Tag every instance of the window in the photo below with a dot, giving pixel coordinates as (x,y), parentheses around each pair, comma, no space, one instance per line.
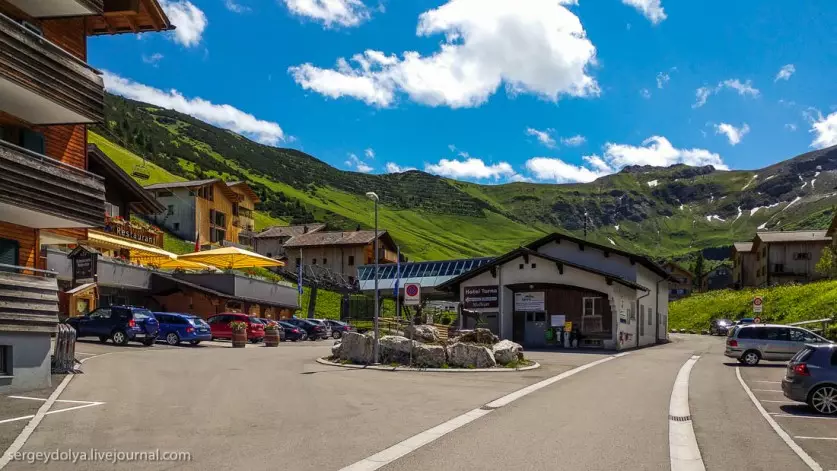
(778,268)
(5,360)
(802,256)
(746,333)
(650,316)
(591,319)
(23,137)
(351,260)
(217,235)
(170,210)
(101,313)
(592,306)
(540,317)
(777,333)
(9,250)
(799,335)
(325,261)
(235,209)
(111,209)
(534,265)
(313,261)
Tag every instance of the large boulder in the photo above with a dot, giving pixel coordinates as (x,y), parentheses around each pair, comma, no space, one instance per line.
(335,349)
(422,333)
(394,349)
(506,351)
(356,348)
(429,356)
(480,336)
(465,355)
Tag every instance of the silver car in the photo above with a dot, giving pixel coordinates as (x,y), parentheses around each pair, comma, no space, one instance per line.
(752,343)
(812,377)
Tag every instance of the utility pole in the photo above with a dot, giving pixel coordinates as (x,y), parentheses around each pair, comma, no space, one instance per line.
(374,197)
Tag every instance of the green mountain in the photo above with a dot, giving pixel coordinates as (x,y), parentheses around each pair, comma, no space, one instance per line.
(663,212)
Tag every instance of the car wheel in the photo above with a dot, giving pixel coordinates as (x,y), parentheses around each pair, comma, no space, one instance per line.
(751,358)
(119,338)
(172,338)
(336,335)
(824,399)
(195,342)
(103,339)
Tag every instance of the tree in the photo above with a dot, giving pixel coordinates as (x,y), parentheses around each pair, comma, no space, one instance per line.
(827,265)
(699,268)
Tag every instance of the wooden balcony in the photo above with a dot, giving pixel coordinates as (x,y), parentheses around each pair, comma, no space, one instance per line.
(59,8)
(41,83)
(28,299)
(41,192)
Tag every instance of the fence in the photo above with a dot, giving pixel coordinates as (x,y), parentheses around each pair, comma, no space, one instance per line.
(64,357)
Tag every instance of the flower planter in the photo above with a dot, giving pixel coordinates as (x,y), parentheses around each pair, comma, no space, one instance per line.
(239,339)
(271,338)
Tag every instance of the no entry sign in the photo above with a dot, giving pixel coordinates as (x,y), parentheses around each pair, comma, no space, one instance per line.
(757,304)
(412,294)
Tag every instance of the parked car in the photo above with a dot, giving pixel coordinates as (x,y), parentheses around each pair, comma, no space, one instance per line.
(176,328)
(293,332)
(313,330)
(750,344)
(324,323)
(220,326)
(719,326)
(745,321)
(338,328)
(122,324)
(267,322)
(812,377)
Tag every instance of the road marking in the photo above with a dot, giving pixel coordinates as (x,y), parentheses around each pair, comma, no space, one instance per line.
(816,438)
(57,400)
(683,448)
(16,419)
(405,447)
(776,428)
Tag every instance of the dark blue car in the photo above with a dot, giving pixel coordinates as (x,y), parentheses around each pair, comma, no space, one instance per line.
(176,328)
(122,324)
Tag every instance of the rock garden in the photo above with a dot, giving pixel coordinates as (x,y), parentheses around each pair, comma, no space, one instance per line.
(421,347)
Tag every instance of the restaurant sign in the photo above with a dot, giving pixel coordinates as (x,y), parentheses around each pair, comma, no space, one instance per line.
(85,261)
(139,234)
(478,297)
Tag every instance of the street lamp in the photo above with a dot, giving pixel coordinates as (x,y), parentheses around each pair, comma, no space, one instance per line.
(374,197)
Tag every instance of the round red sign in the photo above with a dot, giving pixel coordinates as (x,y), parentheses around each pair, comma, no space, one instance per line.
(757,320)
(757,301)
(411,290)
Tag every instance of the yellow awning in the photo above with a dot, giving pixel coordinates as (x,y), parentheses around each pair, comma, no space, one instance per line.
(142,253)
(183,264)
(231,258)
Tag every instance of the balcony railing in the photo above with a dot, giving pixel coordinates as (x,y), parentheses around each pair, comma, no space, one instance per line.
(54,193)
(41,83)
(59,8)
(28,299)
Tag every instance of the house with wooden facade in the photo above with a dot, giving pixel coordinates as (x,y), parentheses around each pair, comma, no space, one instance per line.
(744,265)
(271,241)
(681,281)
(213,211)
(788,256)
(48,96)
(339,252)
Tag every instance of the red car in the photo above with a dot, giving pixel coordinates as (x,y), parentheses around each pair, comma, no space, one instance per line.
(220,326)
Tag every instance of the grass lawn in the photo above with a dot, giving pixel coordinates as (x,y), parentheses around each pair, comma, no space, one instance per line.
(127,160)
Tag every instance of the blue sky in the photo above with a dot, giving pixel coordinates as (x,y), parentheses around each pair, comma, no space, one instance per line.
(497,90)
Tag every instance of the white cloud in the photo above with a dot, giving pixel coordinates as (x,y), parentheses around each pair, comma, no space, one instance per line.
(356,164)
(470,167)
(645,93)
(546,168)
(153,59)
(573,141)
(537,47)
(662,79)
(659,152)
(369,153)
(544,137)
(393,167)
(825,131)
(224,116)
(236,7)
(189,20)
(785,72)
(743,88)
(651,9)
(597,163)
(733,134)
(330,12)
(790,127)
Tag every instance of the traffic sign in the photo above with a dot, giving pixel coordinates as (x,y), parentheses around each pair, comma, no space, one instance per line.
(757,320)
(412,294)
(757,304)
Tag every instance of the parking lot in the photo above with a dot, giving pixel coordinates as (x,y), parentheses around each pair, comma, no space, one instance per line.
(815,434)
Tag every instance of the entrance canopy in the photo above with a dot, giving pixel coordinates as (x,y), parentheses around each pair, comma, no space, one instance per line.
(143,253)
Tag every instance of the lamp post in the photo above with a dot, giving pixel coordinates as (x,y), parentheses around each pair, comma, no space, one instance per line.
(374,197)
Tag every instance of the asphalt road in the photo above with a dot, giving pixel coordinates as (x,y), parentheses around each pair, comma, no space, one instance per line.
(261,408)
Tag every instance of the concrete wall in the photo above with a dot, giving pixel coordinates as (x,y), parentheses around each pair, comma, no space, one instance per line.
(30,352)
(241,286)
(184,214)
(591,257)
(656,305)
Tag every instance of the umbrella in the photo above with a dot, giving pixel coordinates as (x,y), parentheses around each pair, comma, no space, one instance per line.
(230,258)
(182,264)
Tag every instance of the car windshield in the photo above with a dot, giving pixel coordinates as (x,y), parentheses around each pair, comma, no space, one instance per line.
(197,321)
(142,314)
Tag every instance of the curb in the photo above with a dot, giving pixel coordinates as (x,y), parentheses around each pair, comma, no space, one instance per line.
(323,361)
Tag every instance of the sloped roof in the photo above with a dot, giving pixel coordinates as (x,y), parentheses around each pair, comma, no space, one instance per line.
(289,231)
(231,195)
(792,236)
(335,238)
(743,246)
(246,189)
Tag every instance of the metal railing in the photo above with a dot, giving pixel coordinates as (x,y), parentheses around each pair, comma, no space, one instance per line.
(64,356)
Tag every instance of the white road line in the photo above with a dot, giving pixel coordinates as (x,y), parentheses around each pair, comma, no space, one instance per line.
(57,400)
(403,448)
(776,428)
(16,419)
(683,448)
(816,438)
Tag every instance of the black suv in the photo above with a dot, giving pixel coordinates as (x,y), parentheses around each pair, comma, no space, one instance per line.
(121,324)
(314,330)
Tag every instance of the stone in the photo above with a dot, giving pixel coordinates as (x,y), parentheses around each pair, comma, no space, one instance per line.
(335,349)
(422,333)
(356,348)
(429,356)
(465,355)
(506,351)
(479,335)
(394,349)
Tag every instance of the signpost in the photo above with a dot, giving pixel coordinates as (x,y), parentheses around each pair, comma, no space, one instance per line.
(529,302)
(477,297)
(85,261)
(412,294)
(757,304)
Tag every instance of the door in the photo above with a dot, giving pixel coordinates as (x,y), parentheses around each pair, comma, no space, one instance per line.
(165,324)
(777,344)
(518,327)
(535,330)
(97,324)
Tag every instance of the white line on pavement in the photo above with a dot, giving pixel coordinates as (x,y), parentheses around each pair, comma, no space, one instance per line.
(776,428)
(816,438)
(683,448)
(16,419)
(382,458)
(57,400)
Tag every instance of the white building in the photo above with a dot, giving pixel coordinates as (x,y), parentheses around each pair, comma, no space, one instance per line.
(614,299)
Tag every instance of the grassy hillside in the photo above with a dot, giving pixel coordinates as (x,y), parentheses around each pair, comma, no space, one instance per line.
(782,305)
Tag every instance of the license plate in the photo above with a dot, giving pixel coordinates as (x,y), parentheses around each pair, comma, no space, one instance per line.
(203,330)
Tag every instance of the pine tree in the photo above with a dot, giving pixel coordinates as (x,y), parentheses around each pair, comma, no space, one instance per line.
(699,271)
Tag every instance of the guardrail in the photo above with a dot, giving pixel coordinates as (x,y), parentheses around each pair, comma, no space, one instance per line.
(824,323)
